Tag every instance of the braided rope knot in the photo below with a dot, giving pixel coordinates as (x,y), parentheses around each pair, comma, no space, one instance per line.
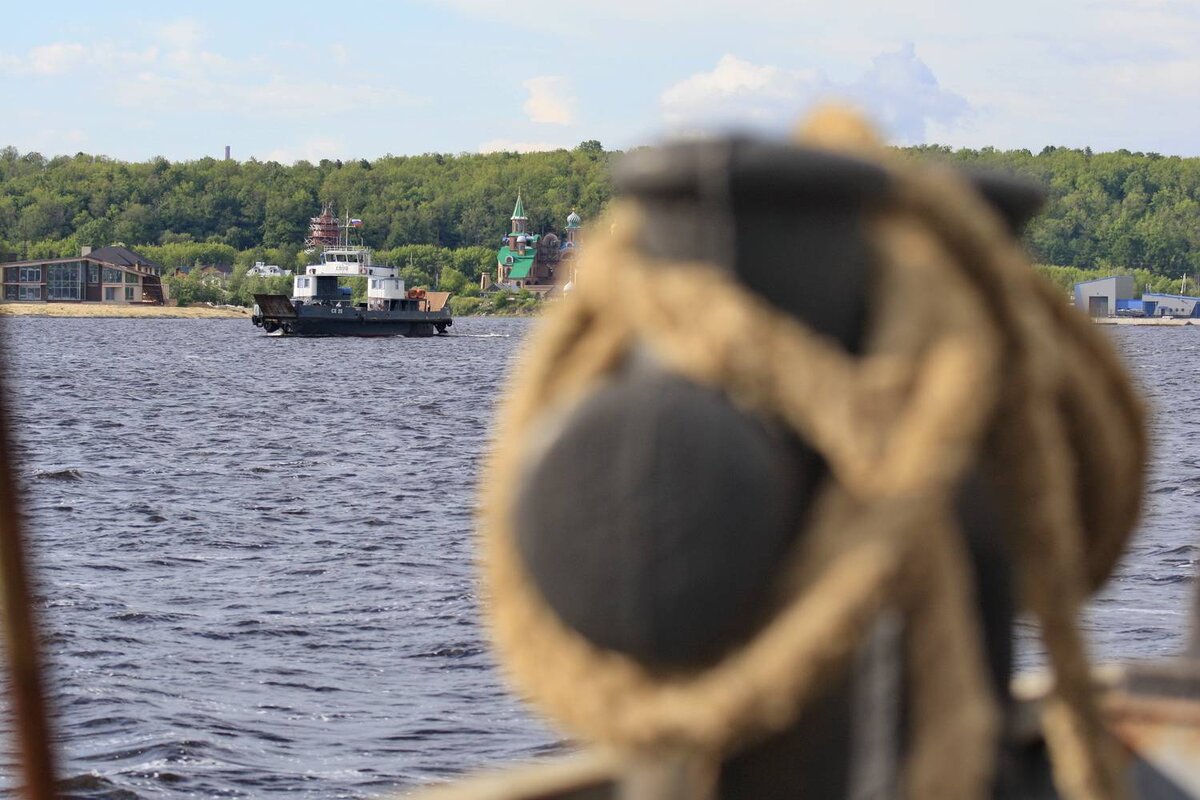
(997,374)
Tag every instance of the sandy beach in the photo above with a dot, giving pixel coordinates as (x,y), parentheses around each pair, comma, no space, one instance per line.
(117,310)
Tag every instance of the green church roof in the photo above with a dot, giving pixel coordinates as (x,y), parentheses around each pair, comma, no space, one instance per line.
(518,209)
(520,266)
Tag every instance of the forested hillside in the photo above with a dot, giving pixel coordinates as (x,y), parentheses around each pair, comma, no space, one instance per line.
(1107,210)
(448,201)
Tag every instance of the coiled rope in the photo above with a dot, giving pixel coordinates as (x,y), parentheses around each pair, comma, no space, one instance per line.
(994,371)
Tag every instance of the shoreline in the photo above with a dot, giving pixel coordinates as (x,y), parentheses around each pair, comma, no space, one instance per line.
(106,311)
(101,310)
(1150,322)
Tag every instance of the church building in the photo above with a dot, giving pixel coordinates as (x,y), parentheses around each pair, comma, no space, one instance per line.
(534,262)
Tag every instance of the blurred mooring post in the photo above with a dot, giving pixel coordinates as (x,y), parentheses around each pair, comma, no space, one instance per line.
(648,542)
(27,704)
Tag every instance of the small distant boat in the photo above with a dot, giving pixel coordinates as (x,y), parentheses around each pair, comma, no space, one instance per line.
(320,306)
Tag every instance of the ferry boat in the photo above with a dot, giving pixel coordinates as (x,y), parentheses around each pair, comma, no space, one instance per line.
(320,306)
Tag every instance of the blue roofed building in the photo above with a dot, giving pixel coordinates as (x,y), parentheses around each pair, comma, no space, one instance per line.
(1156,304)
(1114,297)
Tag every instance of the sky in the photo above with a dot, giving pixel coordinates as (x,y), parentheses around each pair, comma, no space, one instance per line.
(305,80)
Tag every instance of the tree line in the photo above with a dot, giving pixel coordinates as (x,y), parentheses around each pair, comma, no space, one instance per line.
(1106,211)
(452,201)
(454,270)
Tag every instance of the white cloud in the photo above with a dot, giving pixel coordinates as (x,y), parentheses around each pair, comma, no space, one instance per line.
(511,146)
(64,58)
(1164,25)
(56,59)
(902,92)
(1178,77)
(550,101)
(178,73)
(181,34)
(552,16)
(899,90)
(254,98)
(738,90)
(1150,45)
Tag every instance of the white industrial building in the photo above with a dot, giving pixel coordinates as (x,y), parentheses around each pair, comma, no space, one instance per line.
(1099,298)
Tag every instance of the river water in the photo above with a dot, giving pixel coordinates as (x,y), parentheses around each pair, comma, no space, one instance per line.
(255,554)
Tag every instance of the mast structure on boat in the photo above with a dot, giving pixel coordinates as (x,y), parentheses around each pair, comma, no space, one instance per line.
(324,230)
(348,225)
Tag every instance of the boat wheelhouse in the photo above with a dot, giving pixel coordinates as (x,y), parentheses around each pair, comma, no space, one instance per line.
(320,282)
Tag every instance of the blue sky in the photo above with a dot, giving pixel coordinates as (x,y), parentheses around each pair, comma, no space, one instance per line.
(309,80)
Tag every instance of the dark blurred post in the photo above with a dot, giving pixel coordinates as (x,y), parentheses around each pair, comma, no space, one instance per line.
(20,630)
(1193,650)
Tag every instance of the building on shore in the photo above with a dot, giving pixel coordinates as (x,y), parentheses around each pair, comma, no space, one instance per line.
(263,270)
(210,274)
(1157,304)
(1114,297)
(535,262)
(1103,296)
(112,274)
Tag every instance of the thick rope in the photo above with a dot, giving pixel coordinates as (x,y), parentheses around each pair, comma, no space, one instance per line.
(989,376)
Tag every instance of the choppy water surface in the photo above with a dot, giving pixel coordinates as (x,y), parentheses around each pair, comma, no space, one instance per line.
(256,553)
(1146,609)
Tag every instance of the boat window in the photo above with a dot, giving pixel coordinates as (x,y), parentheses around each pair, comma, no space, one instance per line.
(352,257)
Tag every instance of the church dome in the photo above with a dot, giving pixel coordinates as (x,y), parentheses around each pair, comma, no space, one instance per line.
(574,220)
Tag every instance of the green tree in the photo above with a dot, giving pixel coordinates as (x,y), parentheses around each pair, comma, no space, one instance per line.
(1117,209)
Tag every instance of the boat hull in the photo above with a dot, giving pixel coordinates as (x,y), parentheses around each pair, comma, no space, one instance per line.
(282,318)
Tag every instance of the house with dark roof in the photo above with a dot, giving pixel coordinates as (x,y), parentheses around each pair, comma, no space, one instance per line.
(112,274)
